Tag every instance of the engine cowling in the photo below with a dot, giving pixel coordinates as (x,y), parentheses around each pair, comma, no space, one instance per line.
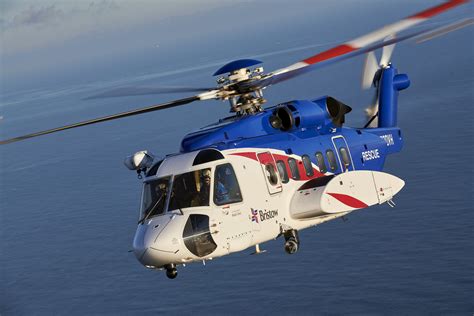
(322,114)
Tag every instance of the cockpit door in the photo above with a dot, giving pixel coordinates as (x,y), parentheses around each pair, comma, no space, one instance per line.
(269,169)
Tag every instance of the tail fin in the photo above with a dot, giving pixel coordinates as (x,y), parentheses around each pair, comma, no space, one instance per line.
(390,84)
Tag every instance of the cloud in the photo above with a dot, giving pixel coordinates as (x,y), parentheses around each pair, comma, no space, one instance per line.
(50,14)
(35,16)
(29,24)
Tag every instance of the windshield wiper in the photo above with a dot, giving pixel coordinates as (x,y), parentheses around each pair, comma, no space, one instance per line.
(147,215)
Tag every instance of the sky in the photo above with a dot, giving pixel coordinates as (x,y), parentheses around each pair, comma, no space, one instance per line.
(28,24)
(40,35)
(59,40)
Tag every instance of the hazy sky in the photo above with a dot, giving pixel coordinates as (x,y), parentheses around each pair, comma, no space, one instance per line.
(28,24)
(45,39)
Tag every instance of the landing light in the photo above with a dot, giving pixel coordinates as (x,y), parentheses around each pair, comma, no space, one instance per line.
(139,161)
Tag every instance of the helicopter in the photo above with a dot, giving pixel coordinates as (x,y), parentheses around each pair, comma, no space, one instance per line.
(264,173)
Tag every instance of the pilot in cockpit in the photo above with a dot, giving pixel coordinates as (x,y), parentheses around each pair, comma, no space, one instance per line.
(221,186)
(204,191)
(160,194)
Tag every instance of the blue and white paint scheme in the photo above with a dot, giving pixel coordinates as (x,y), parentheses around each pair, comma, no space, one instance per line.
(296,166)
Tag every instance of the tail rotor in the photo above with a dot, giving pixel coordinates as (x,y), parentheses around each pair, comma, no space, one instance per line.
(371,75)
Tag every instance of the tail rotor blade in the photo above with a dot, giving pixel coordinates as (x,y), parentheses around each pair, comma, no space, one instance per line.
(370,68)
(387,52)
(371,112)
(373,108)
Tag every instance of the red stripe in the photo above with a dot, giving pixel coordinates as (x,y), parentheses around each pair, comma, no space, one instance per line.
(250,155)
(348,200)
(331,53)
(438,9)
(302,171)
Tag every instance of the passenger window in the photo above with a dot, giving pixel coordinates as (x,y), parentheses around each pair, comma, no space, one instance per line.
(226,187)
(332,159)
(321,163)
(308,167)
(295,174)
(282,171)
(346,160)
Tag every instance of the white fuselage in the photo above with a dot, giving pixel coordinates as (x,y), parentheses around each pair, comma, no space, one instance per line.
(262,213)
(159,239)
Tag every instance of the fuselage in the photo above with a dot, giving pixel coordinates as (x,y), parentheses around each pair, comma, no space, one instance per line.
(242,182)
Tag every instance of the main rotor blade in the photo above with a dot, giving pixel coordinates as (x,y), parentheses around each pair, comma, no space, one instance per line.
(147,109)
(445,30)
(134,91)
(351,48)
(274,78)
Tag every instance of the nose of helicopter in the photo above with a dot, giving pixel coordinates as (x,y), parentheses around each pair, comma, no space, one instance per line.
(140,245)
(151,244)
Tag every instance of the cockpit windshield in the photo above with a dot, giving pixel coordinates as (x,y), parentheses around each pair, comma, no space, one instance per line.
(155,195)
(189,189)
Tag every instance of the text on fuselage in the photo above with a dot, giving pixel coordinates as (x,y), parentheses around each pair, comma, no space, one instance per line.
(370,154)
(388,139)
(262,215)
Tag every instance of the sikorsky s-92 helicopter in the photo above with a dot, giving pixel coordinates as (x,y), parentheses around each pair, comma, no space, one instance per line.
(264,173)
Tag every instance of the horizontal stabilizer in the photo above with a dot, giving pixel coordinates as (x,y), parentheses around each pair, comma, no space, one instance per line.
(344,193)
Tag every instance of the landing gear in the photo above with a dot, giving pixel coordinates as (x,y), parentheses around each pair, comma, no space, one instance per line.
(171,271)
(292,241)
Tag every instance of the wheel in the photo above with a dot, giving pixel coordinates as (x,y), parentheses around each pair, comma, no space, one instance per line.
(171,273)
(291,246)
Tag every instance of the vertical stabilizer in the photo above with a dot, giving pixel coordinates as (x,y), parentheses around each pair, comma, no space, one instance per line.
(390,84)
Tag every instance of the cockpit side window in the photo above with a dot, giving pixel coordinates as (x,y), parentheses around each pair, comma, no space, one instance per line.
(191,189)
(226,186)
(155,195)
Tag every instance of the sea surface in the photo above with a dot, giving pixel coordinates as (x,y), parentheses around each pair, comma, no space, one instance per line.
(69,207)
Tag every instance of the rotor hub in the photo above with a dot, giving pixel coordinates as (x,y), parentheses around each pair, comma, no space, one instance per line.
(233,82)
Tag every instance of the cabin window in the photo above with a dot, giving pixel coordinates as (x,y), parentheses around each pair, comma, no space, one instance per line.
(346,160)
(308,167)
(226,187)
(282,171)
(331,159)
(321,163)
(295,174)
